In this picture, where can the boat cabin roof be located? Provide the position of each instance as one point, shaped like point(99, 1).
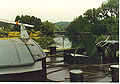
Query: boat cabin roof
point(15, 52)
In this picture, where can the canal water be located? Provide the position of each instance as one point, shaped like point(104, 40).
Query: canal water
point(62, 43)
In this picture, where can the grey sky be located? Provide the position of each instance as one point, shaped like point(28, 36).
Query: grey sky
point(51, 10)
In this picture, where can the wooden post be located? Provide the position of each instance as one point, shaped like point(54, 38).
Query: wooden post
point(53, 50)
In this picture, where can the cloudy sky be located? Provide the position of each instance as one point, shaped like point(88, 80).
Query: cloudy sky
point(51, 10)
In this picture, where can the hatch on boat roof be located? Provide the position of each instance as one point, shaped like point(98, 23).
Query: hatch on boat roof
point(14, 53)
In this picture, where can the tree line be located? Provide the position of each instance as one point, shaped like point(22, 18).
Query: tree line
point(101, 22)
point(46, 29)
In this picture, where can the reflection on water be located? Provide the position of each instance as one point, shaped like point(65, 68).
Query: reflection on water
point(48, 59)
point(59, 41)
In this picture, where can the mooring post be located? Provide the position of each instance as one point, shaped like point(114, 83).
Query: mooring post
point(115, 73)
point(76, 76)
point(53, 51)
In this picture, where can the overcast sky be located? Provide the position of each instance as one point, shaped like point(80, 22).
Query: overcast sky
point(51, 10)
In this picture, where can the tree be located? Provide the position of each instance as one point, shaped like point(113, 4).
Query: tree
point(44, 41)
point(2, 31)
point(99, 29)
point(110, 9)
point(47, 28)
point(80, 24)
point(93, 15)
point(101, 38)
point(28, 20)
point(17, 19)
point(5, 25)
point(101, 21)
point(5, 28)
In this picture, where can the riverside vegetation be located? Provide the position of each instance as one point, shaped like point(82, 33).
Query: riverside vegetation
point(101, 22)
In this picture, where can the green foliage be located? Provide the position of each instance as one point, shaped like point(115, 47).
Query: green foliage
point(101, 38)
point(110, 9)
point(62, 23)
point(44, 41)
point(99, 29)
point(100, 22)
point(112, 25)
point(47, 28)
point(61, 26)
point(28, 20)
point(6, 26)
point(80, 24)
point(3, 33)
point(93, 15)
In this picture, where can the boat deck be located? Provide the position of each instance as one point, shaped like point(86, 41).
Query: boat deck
point(58, 71)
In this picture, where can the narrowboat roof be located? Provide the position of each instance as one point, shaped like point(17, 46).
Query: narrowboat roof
point(15, 52)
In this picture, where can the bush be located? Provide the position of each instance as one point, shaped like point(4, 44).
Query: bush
point(44, 41)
